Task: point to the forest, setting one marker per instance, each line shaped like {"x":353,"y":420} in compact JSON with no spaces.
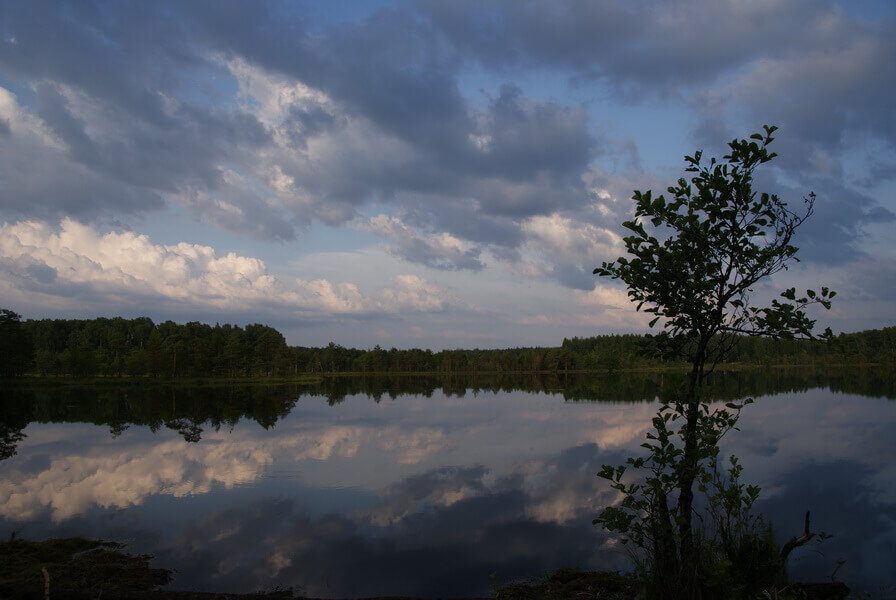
{"x":139,"y":348}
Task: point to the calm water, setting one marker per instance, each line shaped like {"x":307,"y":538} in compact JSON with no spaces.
{"x":423,"y":486}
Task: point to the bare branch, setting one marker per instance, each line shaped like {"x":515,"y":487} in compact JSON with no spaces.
{"x":796,"y":542}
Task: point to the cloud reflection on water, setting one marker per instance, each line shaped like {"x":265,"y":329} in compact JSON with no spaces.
{"x":431,"y":496}
{"x":108,"y":475}
{"x":446,"y":530}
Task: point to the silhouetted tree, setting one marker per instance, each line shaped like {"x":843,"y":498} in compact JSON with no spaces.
{"x":716,"y":238}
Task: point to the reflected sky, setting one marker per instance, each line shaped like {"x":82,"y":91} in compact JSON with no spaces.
{"x":435,"y":495}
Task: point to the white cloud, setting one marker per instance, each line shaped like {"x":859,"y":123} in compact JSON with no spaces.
{"x":272,"y":97}
{"x":611,"y":306}
{"x":78,"y":263}
{"x":107,"y":476}
{"x":569,"y":241}
{"x":72,"y":484}
{"x":415,"y":293}
{"x":440,"y":251}
{"x":559,"y":247}
{"x":319,"y":151}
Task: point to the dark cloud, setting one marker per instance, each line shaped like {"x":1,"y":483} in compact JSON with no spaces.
{"x":32,"y":275}
{"x":41,"y":273}
{"x":521,"y":137}
{"x":575,"y":276}
{"x":393,"y":70}
{"x":130,"y":106}
{"x":170,"y":123}
{"x":796,"y":64}
{"x":462,"y":217}
{"x":113,"y":86}
{"x":833,"y":233}
{"x":654,"y":46}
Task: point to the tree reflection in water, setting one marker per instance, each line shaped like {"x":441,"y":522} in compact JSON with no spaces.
{"x":422,"y":485}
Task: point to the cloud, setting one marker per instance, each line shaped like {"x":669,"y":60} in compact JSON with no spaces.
{"x":264,"y":122}
{"x":258,"y":126}
{"x":610,"y":306}
{"x":422,"y":523}
{"x":411,"y":292}
{"x":653,"y":46}
{"x":41,"y":180}
{"x":502,"y":159}
{"x":813,"y":89}
{"x":832,"y":140}
{"x":76,"y":266}
{"x":439,"y":251}
{"x":568,"y":250}
{"x":734,"y":66}
{"x":444,"y":529}
{"x":71,"y":484}
{"x":437,"y":488}
{"x":519,"y":138}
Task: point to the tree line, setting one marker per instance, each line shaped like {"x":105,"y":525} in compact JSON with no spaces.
{"x":118,"y":347}
{"x":193,"y":409}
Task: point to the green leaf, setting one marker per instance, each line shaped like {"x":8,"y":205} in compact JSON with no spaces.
{"x":721,"y":239}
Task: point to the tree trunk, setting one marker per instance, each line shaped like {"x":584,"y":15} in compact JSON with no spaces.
{"x":685,"y":508}
{"x":686,"y":481}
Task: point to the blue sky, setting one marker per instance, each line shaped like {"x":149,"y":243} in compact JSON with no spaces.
{"x":420,"y":173}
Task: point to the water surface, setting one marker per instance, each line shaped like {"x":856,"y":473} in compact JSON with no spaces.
{"x":416,"y":486}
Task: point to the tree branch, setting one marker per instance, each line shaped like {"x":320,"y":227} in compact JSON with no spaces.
{"x":796,"y":542}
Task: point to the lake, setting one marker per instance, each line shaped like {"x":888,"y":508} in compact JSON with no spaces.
{"x":426,"y":486}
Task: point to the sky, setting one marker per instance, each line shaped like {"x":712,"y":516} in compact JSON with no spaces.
{"x":422,"y":173}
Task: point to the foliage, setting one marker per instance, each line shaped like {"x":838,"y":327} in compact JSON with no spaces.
{"x":723,"y":239}
{"x":718,"y":239}
{"x":735,"y":553}
{"x":139,"y":348}
{"x":739,"y":555}
{"x":15,"y":345}
{"x":76,"y":564}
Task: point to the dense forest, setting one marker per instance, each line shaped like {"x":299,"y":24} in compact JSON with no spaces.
{"x":136,"y":348}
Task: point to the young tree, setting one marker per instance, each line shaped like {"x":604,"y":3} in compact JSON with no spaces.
{"x":713,"y":240}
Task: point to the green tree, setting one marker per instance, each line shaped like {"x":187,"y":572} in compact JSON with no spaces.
{"x":709,"y":244}
{"x":16,"y":348}
{"x":79,"y":355}
{"x":155,"y":359}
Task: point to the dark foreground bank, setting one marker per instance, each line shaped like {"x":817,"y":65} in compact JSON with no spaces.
{"x":81,"y":569}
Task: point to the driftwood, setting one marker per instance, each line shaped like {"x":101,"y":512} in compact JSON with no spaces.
{"x":836,"y":590}
{"x":796,"y":542}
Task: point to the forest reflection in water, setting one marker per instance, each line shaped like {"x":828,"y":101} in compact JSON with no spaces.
{"x":424,"y":485}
